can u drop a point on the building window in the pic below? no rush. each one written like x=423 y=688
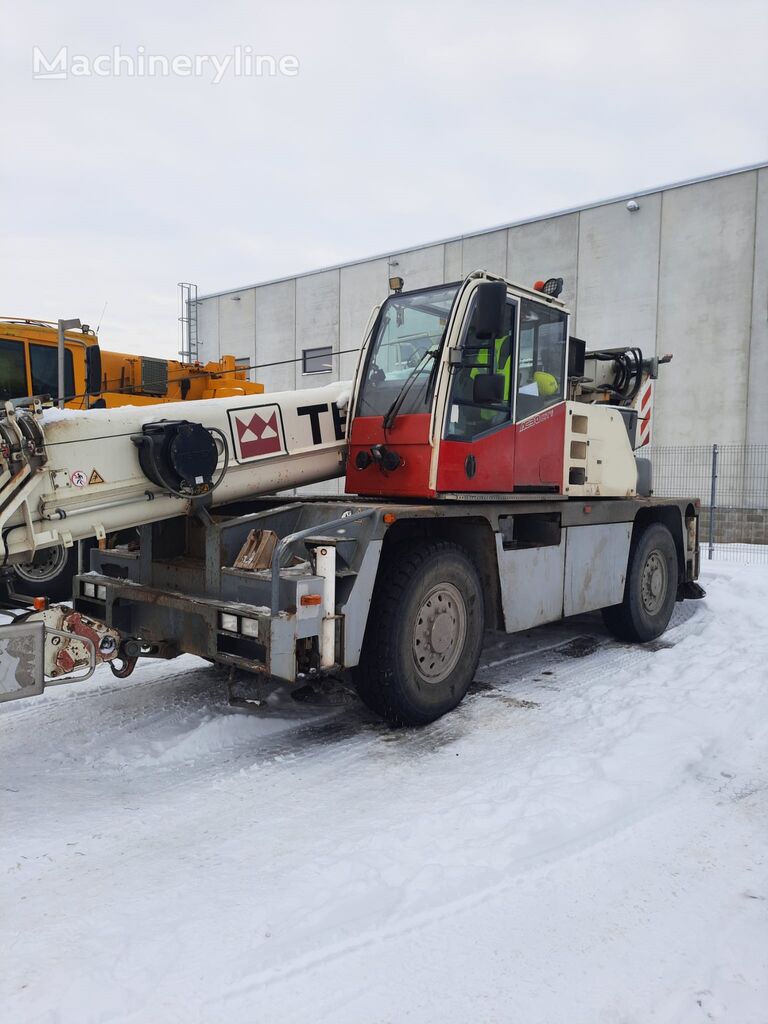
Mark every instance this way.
x=317 y=360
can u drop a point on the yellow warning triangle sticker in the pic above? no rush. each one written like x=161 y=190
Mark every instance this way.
x=95 y=477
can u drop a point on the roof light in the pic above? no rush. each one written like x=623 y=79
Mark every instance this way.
x=553 y=286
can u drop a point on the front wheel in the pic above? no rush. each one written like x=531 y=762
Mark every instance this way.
x=424 y=634
x=650 y=590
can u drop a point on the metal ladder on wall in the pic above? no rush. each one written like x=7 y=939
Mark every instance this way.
x=189 y=351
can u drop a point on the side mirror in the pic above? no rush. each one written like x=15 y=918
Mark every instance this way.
x=488 y=388
x=576 y=355
x=490 y=306
x=93 y=370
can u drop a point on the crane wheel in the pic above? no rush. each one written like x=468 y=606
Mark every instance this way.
x=49 y=574
x=651 y=588
x=424 y=634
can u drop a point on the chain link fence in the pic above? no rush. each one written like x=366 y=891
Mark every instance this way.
x=731 y=482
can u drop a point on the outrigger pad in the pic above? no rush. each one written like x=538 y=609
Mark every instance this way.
x=257 y=551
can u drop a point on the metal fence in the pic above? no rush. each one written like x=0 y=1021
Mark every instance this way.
x=731 y=482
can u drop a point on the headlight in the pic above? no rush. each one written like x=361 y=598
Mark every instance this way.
x=249 y=627
x=228 y=622
x=89 y=590
x=101 y=592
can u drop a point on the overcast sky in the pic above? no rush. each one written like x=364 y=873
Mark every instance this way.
x=406 y=123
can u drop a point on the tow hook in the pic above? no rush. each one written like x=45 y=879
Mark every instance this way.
x=125 y=661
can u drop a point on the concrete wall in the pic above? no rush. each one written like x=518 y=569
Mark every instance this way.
x=757 y=404
x=687 y=273
x=705 y=310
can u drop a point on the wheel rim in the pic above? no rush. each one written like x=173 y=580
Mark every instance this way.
x=46 y=566
x=439 y=633
x=653 y=586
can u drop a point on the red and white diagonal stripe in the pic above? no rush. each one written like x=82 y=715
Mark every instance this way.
x=644 y=410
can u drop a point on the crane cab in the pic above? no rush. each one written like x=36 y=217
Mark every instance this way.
x=463 y=388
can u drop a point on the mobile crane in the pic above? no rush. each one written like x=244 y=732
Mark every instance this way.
x=491 y=482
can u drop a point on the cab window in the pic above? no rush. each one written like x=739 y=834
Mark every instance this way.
x=13 y=374
x=45 y=373
x=481 y=388
x=403 y=354
x=541 y=369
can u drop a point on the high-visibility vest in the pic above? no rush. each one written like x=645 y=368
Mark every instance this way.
x=504 y=368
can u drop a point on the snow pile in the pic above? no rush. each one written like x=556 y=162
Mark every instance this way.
x=188 y=737
x=582 y=841
x=56 y=415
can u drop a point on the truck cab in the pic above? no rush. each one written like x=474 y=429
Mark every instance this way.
x=29 y=361
x=464 y=389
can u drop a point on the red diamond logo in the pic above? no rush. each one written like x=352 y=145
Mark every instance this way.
x=258 y=434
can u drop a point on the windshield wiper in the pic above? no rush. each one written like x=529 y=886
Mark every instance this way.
x=391 y=414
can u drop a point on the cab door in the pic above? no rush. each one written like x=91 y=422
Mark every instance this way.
x=477 y=447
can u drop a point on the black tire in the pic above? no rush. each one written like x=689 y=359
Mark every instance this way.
x=651 y=588
x=59 y=588
x=424 y=634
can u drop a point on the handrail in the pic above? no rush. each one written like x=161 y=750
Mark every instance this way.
x=283 y=545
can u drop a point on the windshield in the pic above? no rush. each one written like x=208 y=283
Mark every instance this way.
x=409 y=327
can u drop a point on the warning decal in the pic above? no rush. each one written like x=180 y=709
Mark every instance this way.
x=645 y=408
x=95 y=477
x=78 y=478
x=257 y=432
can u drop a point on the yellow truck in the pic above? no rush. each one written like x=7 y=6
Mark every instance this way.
x=96 y=378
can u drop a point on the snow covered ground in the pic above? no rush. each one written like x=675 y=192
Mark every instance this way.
x=584 y=840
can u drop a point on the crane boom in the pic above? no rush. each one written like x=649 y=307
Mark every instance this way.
x=66 y=475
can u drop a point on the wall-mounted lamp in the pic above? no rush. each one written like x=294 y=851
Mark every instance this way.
x=633 y=206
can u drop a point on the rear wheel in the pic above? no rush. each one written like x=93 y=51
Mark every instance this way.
x=650 y=590
x=49 y=575
x=424 y=635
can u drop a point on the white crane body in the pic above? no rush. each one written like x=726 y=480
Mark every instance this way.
x=85 y=479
